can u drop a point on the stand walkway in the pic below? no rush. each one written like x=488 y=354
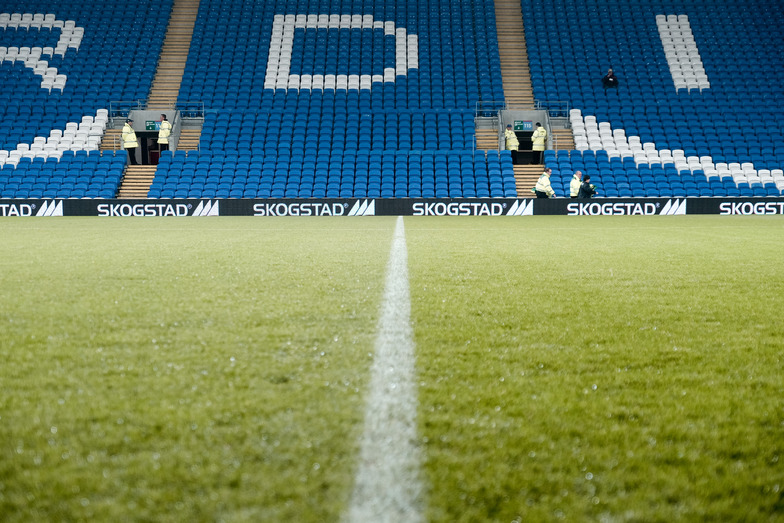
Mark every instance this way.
x=166 y=84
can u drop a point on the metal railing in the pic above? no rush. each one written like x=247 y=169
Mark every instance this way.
x=554 y=108
x=489 y=109
x=187 y=110
x=191 y=109
x=122 y=108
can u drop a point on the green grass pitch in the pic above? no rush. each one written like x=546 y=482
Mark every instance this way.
x=575 y=369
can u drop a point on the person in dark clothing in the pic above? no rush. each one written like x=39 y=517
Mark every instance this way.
x=587 y=189
x=610 y=81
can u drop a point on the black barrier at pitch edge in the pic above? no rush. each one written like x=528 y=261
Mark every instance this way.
x=393 y=207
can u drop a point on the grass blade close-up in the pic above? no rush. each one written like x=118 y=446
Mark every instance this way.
x=576 y=369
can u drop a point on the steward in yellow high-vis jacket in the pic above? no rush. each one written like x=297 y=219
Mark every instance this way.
x=539 y=138
x=512 y=143
x=163 y=133
x=543 y=189
x=129 y=141
x=574 y=185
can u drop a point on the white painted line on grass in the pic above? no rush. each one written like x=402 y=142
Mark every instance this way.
x=388 y=486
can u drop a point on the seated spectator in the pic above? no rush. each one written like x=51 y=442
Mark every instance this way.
x=610 y=80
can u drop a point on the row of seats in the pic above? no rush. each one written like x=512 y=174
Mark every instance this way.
x=251 y=189
x=78 y=176
x=668 y=176
x=77 y=139
x=492 y=160
x=377 y=130
x=421 y=174
x=607 y=188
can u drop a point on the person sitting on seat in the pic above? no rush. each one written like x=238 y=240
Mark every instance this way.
x=610 y=80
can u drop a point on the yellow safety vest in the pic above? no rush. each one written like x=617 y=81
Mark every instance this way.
x=164 y=132
x=129 y=137
x=574 y=186
x=539 y=138
x=543 y=185
x=512 y=144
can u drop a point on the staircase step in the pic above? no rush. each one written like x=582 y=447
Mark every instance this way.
x=174 y=54
x=526 y=177
x=136 y=181
x=515 y=69
x=487 y=139
x=563 y=139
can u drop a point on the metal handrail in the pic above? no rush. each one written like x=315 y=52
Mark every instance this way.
x=488 y=108
x=191 y=109
x=555 y=108
x=122 y=108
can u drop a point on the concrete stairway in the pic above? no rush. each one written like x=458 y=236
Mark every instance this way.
x=487 y=139
x=517 y=85
x=513 y=54
x=514 y=66
x=136 y=182
x=174 y=54
x=526 y=177
x=189 y=139
x=110 y=141
x=563 y=139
